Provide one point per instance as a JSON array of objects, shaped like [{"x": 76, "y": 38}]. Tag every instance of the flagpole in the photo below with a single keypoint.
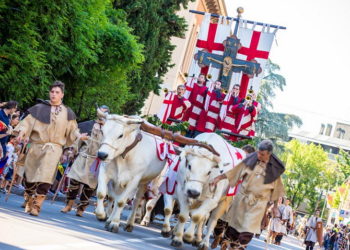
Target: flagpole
[
  {"x": 240, "y": 10},
  {"x": 237, "y": 19}
]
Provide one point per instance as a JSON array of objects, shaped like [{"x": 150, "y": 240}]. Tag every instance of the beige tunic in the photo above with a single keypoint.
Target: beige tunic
[
  {"x": 249, "y": 205},
  {"x": 80, "y": 170},
  {"x": 46, "y": 144}
]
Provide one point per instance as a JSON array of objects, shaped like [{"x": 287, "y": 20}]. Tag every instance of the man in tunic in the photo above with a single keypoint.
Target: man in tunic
[
  {"x": 49, "y": 126},
  {"x": 222, "y": 225},
  {"x": 174, "y": 106},
  {"x": 85, "y": 169},
  {"x": 276, "y": 226},
  {"x": 196, "y": 95},
  {"x": 287, "y": 218},
  {"x": 260, "y": 175},
  {"x": 311, "y": 236},
  {"x": 209, "y": 117}
]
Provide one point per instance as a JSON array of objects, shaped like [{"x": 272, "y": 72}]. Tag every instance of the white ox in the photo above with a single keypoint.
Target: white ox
[
  {"x": 153, "y": 197},
  {"x": 197, "y": 168},
  {"x": 129, "y": 174}
]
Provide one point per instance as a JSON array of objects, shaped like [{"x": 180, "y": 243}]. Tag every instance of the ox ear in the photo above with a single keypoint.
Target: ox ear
[
  {"x": 185, "y": 151},
  {"x": 216, "y": 159},
  {"x": 189, "y": 150},
  {"x": 178, "y": 150}
]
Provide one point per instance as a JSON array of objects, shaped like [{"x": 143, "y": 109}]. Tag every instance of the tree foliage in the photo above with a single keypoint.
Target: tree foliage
[
  {"x": 86, "y": 44},
  {"x": 308, "y": 172},
  {"x": 154, "y": 22},
  {"x": 271, "y": 124},
  {"x": 343, "y": 161}
]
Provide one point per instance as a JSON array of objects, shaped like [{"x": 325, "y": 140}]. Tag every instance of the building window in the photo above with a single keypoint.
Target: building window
[
  {"x": 322, "y": 129},
  {"x": 340, "y": 133}
]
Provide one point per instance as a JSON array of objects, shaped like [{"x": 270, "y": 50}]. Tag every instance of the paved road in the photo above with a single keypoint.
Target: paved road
[{"x": 53, "y": 230}]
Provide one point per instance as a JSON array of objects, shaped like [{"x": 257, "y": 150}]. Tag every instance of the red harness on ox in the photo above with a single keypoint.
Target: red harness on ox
[{"x": 166, "y": 151}]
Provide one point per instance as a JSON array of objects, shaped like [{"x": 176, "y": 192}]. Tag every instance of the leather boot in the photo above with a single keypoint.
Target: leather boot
[
  {"x": 68, "y": 207},
  {"x": 29, "y": 204},
  {"x": 80, "y": 210},
  {"x": 216, "y": 242},
  {"x": 37, "y": 203},
  {"x": 225, "y": 245},
  {"x": 26, "y": 198}
]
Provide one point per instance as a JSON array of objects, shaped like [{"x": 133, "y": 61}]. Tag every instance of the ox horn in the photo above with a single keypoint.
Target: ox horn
[
  {"x": 101, "y": 114},
  {"x": 135, "y": 121}
]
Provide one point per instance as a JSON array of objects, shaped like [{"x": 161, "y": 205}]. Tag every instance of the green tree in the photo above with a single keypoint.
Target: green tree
[
  {"x": 343, "y": 160},
  {"x": 308, "y": 173},
  {"x": 271, "y": 124},
  {"x": 154, "y": 22},
  {"x": 86, "y": 44}
]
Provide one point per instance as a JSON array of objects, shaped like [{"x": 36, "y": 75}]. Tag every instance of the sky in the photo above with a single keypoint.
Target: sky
[{"x": 313, "y": 53}]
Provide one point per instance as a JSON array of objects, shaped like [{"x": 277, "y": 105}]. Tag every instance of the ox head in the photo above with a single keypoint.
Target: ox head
[
  {"x": 117, "y": 135},
  {"x": 200, "y": 163}
]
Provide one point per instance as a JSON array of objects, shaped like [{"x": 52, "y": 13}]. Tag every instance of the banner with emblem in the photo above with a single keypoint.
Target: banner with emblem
[
  {"x": 233, "y": 55},
  {"x": 256, "y": 42},
  {"x": 210, "y": 38}
]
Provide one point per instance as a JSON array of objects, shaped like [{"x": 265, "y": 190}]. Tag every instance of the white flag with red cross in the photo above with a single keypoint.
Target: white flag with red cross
[
  {"x": 166, "y": 107},
  {"x": 210, "y": 38},
  {"x": 256, "y": 45}
]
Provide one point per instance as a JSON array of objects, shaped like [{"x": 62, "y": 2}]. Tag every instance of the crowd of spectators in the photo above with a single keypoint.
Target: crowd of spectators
[{"x": 336, "y": 238}]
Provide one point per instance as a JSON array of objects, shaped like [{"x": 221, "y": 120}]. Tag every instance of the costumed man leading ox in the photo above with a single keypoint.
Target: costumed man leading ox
[
  {"x": 84, "y": 170},
  {"x": 50, "y": 126},
  {"x": 174, "y": 106},
  {"x": 209, "y": 117},
  {"x": 195, "y": 93},
  {"x": 261, "y": 182}
]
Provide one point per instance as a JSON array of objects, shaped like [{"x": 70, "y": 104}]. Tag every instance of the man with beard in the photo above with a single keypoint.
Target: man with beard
[{"x": 260, "y": 176}]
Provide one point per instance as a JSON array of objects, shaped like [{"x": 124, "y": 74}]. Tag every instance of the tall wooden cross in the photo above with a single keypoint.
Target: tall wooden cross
[{"x": 228, "y": 62}]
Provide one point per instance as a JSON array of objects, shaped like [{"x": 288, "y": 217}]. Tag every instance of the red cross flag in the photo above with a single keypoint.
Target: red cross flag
[
  {"x": 211, "y": 37},
  {"x": 165, "y": 109},
  {"x": 256, "y": 45}
]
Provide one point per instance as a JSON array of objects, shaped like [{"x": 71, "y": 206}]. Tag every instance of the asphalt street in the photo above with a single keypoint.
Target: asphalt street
[{"x": 53, "y": 230}]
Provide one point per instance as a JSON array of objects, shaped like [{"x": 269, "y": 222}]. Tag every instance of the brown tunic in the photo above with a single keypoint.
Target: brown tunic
[
  {"x": 46, "y": 144},
  {"x": 249, "y": 205},
  {"x": 80, "y": 170}
]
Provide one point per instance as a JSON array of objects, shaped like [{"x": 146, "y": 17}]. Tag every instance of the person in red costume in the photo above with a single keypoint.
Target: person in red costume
[
  {"x": 174, "y": 106},
  {"x": 245, "y": 114},
  {"x": 209, "y": 118},
  {"x": 258, "y": 108},
  {"x": 227, "y": 118},
  {"x": 196, "y": 95}
]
